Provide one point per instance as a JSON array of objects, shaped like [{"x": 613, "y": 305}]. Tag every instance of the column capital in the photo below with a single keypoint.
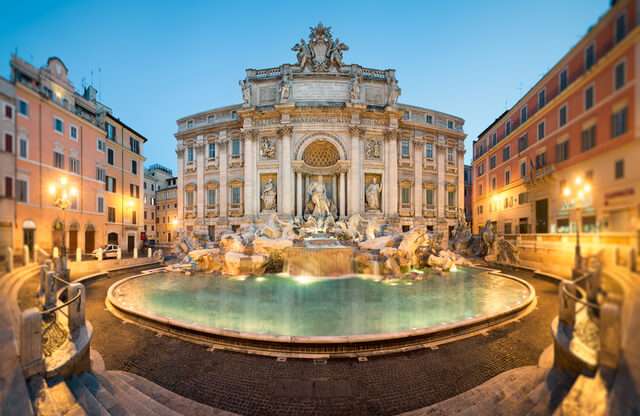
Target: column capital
[
  {"x": 285, "y": 130},
  {"x": 249, "y": 134},
  {"x": 391, "y": 134},
  {"x": 356, "y": 131}
]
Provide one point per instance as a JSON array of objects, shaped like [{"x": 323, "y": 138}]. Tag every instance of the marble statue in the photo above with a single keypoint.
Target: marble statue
[
  {"x": 267, "y": 149},
  {"x": 284, "y": 89},
  {"x": 394, "y": 90},
  {"x": 355, "y": 89},
  {"x": 320, "y": 205},
  {"x": 335, "y": 52},
  {"x": 246, "y": 91},
  {"x": 373, "y": 149},
  {"x": 269, "y": 196},
  {"x": 303, "y": 53},
  {"x": 373, "y": 195}
]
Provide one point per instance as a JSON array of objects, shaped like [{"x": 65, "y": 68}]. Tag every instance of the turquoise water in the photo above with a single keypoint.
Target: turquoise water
[{"x": 305, "y": 306}]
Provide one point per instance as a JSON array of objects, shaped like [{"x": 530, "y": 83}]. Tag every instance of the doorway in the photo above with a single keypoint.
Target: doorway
[
  {"x": 73, "y": 241},
  {"x": 112, "y": 238},
  {"x": 131, "y": 243},
  {"x": 89, "y": 240},
  {"x": 29, "y": 238},
  {"x": 542, "y": 216}
]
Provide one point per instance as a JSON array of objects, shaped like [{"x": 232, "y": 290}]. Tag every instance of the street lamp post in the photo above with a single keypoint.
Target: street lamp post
[
  {"x": 63, "y": 194},
  {"x": 575, "y": 195}
]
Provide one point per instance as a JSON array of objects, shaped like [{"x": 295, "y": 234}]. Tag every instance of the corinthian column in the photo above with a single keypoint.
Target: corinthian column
[
  {"x": 249, "y": 172},
  {"x": 299, "y": 194},
  {"x": 460, "y": 190},
  {"x": 355, "y": 174},
  {"x": 342, "y": 195},
  {"x": 391, "y": 172},
  {"x": 286, "y": 194},
  {"x": 417, "y": 187},
  {"x": 223, "y": 195},
  {"x": 200, "y": 191},
  {"x": 441, "y": 171},
  {"x": 180, "y": 182}
]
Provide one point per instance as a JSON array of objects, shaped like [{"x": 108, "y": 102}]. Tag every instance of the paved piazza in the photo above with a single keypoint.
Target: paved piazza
[{"x": 259, "y": 385}]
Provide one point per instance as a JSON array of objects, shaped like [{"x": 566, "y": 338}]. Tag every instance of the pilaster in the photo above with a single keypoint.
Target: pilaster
[
  {"x": 391, "y": 172},
  {"x": 286, "y": 194},
  {"x": 180, "y": 182},
  {"x": 417, "y": 186},
  {"x": 441, "y": 170},
  {"x": 355, "y": 174},
  {"x": 200, "y": 165},
  {"x": 223, "y": 194}
]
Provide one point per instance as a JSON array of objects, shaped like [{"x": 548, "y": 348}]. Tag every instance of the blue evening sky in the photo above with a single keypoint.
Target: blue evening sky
[{"x": 156, "y": 61}]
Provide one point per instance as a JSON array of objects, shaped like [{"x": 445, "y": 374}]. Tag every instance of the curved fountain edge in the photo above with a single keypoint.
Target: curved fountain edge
[{"x": 464, "y": 328}]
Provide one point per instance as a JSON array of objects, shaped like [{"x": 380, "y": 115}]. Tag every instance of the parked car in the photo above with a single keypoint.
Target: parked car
[{"x": 108, "y": 251}]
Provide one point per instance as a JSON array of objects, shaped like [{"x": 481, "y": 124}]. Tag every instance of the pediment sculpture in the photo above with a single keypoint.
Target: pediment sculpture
[{"x": 321, "y": 53}]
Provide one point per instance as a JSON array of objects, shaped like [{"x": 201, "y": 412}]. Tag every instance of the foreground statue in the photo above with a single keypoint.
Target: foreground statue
[
  {"x": 373, "y": 195},
  {"x": 318, "y": 205}
]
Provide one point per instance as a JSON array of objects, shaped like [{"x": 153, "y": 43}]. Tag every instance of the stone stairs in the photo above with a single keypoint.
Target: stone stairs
[{"x": 114, "y": 393}]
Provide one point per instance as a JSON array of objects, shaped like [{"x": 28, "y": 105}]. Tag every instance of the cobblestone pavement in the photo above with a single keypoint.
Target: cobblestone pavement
[{"x": 255, "y": 385}]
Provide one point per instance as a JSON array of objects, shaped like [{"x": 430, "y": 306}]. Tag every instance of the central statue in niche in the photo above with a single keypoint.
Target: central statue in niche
[{"x": 318, "y": 203}]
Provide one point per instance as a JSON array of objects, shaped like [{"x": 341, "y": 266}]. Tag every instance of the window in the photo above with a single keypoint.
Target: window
[
  {"x": 494, "y": 139},
  {"x": 562, "y": 115},
  {"x": 619, "y": 75},
  {"x": 110, "y": 184},
  {"x": 22, "y": 190},
  {"x": 523, "y": 225},
  {"x": 111, "y": 156},
  {"x": 541, "y": 130},
  {"x": 101, "y": 174},
  {"x": 235, "y": 148},
  {"x": 74, "y": 165},
  {"x": 404, "y": 149},
  {"x": 523, "y": 143},
  {"x": 58, "y": 160},
  {"x": 480, "y": 209},
  {"x": 429, "y": 198},
  {"x": 111, "y": 214},
  {"x": 73, "y": 132},
  {"x": 494, "y": 183},
  {"x": 589, "y": 56},
  {"x": 621, "y": 27},
  {"x": 450, "y": 124},
  {"x": 405, "y": 193},
  {"x": 101, "y": 145},
  {"x": 619, "y": 169},
  {"x": 8, "y": 143},
  {"x": 189, "y": 124},
  {"x": 8, "y": 112},
  {"x": 188, "y": 196},
  {"x": 524, "y": 114},
  {"x": 523, "y": 198},
  {"x": 542, "y": 98},
  {"x": 8, "y": 187},
  {"x": 134, "y": 191},
  {"x": 507, "y": 177},
  {"x": 134, "y": 145},
  {"x": 507, "y": 228},
  {"x": 563, "y": 80},
  {"x": 428, "y": 150},
  {"x": 234, "y": 115},
  {"x": 507, "y": 128},
  {"x": 111, "y": 131},
  {"x": 451, "y": 198},
  {"x": 450, "y": 155},
  {"x": 134, "y": 217},
  {"x": 480, "y": 169},
  {"x": 189, "y": 154},
  {"x": 492, "y": 162},
  {"x": 541, "y": 160},
  {"x": 211, "y": 119},
  {"x": 235, "y": 195},
  {"x": 134, "y": 167},
  {"x": 589, "y": 97},
  {"x": 506, "y": 153},
  {"x": 562, "y": 151},
  {"x": 212, "y": 151},
  {"x": 619, "y": 122},
  {"x": 58, "y": 125},
  {"x": 100, "y": 204},
  {"x": 588, "y": 138},
  {"x": 211, "y": 197},
  {"x": 23, "y": 108},
  {"x": 523, "y": 169},
  {"x": 429, "y": 119},
  {"x": 23, "y": 148}
]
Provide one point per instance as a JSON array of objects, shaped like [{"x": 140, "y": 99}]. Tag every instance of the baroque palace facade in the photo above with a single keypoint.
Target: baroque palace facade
[{"x": 319, "y": 122}]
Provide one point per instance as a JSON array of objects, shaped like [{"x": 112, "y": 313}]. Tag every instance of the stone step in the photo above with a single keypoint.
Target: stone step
[
  {"x": 168, "y": 398},
  {"x": 87, "y": 400},
  {"x": 134, "y": 401},
  {"x": 55, "y": 400},
  {"x": 102, "y": 395}
]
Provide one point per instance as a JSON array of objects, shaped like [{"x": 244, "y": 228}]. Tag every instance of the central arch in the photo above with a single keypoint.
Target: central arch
[
  {"x": 322, "y": 138},
  {"x": 320, "y": 153}
]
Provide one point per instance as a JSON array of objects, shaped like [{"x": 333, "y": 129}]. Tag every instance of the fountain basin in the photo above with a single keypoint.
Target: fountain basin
[{"x": 311, "y": 317}]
